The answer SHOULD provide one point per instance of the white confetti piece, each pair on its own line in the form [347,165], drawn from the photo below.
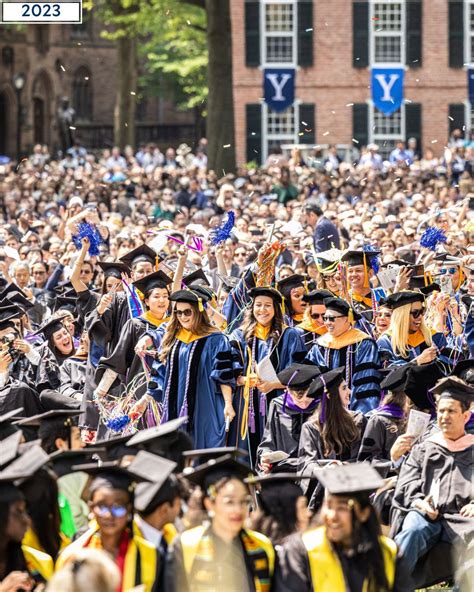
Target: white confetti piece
[71,127]
[133,93]
[451,118]
[308,30]
[304,123]
[349,104]
[226,145]
[355,141]
[326,134]
[434,141]
[62,68]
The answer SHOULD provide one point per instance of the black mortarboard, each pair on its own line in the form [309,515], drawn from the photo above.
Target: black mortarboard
[157,279]
[188,296]
[115,448]
[427,290]
[50,327]
[350,479]
[141,253]
[464,369]
[196,278]
[295,280]
[341,306]
[298,376]
[65,416]
[9,447]
[354,257]
[266,291]
[447,259]
[452,387]
[62,461]
[205,291]
[27,464]
[396,379]
[317,296]
[403,298]
[204,455]
[11,288]
[271,478]
[276,490]
[420,379]
[327,261]
[10,311]
[63,287]
[166,440]
[6,423]
[65,303]
[17,298]
[326,380]
[399,262]
[113,268]
[216,469]
[158,471]
[109,475]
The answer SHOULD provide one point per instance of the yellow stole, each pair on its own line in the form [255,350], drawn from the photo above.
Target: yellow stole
[154,320]
[261,332]
[169,532]
[32,541]
[188,336]
[136,545]
[298,317]
[38,562]
[348,338]
[307,325]
[367,300]
[196,542]
[326,571]
[414,339]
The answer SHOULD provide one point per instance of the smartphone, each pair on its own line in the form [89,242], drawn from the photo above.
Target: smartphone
[446,284]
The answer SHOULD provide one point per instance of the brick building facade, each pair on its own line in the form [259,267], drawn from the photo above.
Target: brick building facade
[333,44]
[73,61]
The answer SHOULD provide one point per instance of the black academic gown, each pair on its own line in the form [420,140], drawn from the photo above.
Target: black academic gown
[72,376]
[18,394]
[293,572]
[379,436]
[311,456]
[282,432]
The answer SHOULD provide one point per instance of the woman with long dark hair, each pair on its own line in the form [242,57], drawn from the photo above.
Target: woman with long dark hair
[194,371]
[333,433]
[348,552]
[293,290]
[261,335]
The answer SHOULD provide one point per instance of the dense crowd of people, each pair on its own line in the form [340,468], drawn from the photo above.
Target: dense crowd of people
[255,382]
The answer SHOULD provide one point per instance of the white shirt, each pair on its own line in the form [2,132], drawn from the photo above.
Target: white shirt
[149,533]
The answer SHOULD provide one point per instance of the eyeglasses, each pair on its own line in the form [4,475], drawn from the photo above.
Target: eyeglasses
[317,315]
[450,270]
[116,511]
[331,319]
[187,312]
[417,313]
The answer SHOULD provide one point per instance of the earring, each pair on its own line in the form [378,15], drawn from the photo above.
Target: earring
[211,513]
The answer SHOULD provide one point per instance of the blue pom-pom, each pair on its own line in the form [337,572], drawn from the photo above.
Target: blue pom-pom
[89,231]
[432,237]
[222,232]
[374,260]
[117,424]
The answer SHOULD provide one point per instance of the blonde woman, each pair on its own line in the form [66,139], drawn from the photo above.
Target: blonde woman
[409,339]
[88,570]
[195,371]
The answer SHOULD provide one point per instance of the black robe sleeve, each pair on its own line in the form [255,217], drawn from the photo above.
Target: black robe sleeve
[292,573]
[379,436]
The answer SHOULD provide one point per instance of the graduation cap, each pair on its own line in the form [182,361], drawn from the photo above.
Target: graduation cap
[266,291]
[317,296]
[299,376]
[396,378]
[447,259]
[16,298]
[138,255]
[225,467]
[115,448]
[7,428]
[201,456]
[196,278]
[352,479]
[276,490]
[420,379]
[113,268]
[295,280]
[399,262]
[342,307]
[157,279]
[403,298]
[10,311]
[430,288]
[167,440]
[157,470]
[327,261]
[27,464]
[63,461]
[190,296]
[464,370]
[10,447]
[359,257]
[50,327]
[65,417]
[65,303]
[325,380]
[110,475]
[452,387]
[11,288]
[63,287]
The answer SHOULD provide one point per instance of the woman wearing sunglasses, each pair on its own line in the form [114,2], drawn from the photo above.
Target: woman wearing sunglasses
[223,556]
[382,317]
[313,325]
[111,503]
[195,372]
[408,338]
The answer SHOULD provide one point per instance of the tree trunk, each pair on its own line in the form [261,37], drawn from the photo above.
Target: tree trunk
[220,103]
[125,103]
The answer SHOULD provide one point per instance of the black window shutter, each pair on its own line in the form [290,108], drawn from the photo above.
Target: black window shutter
[360,34]
[307,124]
[305,33]
[252,34]
[360,124]
[414,11]
[457,114]
[254,132]
[456,34]
[413,122]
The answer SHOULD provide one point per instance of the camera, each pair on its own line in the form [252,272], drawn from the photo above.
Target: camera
[8,340]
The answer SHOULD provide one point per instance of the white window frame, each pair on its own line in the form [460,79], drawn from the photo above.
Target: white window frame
[372,34]
[264,35]
[468,117]
[286,138]
[468,34]
[377,138]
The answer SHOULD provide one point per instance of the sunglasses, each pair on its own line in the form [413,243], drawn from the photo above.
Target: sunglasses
[317,315]
[187,312]
[116,511]
[331,319]
[417,313]
[450,270]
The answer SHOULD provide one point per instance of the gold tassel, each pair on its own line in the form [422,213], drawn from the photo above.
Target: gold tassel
[282,305]
[350,316]
[366,273]
[157,262]
[200,305]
